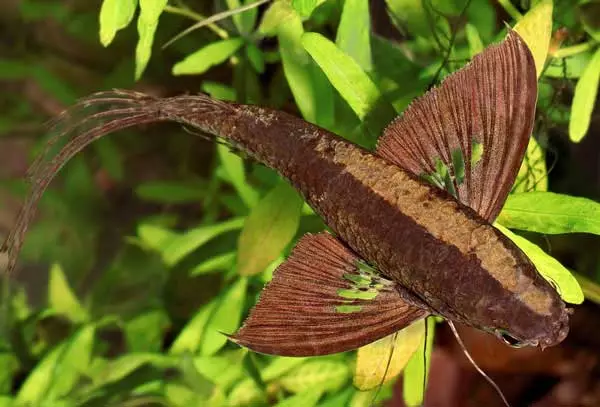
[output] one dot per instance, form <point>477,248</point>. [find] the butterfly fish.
<point>411,223</point>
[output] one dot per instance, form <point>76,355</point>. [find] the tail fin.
<point>96,116</point>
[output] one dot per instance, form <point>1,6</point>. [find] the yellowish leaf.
<point>536,28</point>
<point>373,359</point>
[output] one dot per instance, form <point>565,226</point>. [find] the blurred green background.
<point>152,242</point>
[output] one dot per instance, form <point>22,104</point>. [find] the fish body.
<point>401,247</point>
<point>417,235</point>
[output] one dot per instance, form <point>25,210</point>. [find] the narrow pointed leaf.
<point>208,56</point>
<point>413,391</point>
<point>216,263</point>
<point>184,244</point>
<point>57,373</point>
<point>584,99</point>
<point>150,11</point>
<point>308,398</point>
<point>190,337</point>
<point>115,15</point>
<point>278,13</point>
<point>373,360</point>
<point>245,20</point>
<point>536,28</point>
<point>352,83</point>
<point>269,228</point>
<point>279,366</point>
<point>62,298</point>
<point>354,32</point>
<point>533,175</point>
<point>551,213</point>
<point>550,268</point>
<point>305,7</point>
<point>474,40</point>
<point>327,375</point>
<point>311,90</point>
<point>233,165</point>
<point>225,319</point>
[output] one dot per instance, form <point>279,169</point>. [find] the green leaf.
<point>117,370</point>
<point>150,11</point>
<point>353,84</point>
<point>212,54</point>
<point>219,91</point>
<point>226,318</point>
<point>344,73</point>
<point>551,213</point>
<point>62,299</point>
<point>410,14</point>
<point>269,228</point>
<point>278,13</point>
<point>233,165</point>
<point>308,398</point>
<point>191,335</point>
<point>145,332</point>
<point>182,245</point>
<point>532,175</point>
<point>245,20</point>
<point>536,28</point>
<point>252,368</point>
<point>246,393</point>
<point>171,192</point>
<point>9,365</point>
<point>584,99</point>
<point>554,272</point>
<point>56,374</point>
<point>311,89</point>
<point>115,15</point>
<point>216,263</point>
<point>475,43</point>
<point>323,374</point>
<point>354,32</point>
<point>256,58</point>
<point>373,360</point>
<point>155,237</point>
<point>413,391</point>
<point>280,366</point>
<point>223,371</point>
<point>305,7</point>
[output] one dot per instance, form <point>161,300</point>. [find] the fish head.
<point>533,314</point>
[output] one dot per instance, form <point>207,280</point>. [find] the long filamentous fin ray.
<point>90,119</point>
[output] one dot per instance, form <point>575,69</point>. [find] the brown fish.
<point>401,248</point>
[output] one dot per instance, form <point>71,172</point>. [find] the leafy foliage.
<point>149,327</point>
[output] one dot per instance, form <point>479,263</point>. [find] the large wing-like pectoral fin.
<point>323,299</point>
<point>469,135</point>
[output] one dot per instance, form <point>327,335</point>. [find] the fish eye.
<point>509,339</point>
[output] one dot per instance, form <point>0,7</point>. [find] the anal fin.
<point>324,299</point>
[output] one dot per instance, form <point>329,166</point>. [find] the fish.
<point>410,225</point>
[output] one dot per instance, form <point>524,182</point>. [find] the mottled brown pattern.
<point>445,255</point>
<point>418,235</point>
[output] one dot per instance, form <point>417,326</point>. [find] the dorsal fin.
<point>324,299</point>
<point>469,135</point>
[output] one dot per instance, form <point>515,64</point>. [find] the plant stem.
<point>591,290</point>
<point>197,17</point>
<point>573,50</point>
<point>510,9</point>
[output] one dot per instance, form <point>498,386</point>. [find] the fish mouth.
<point>513,341</point>
<point>561,330</point>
